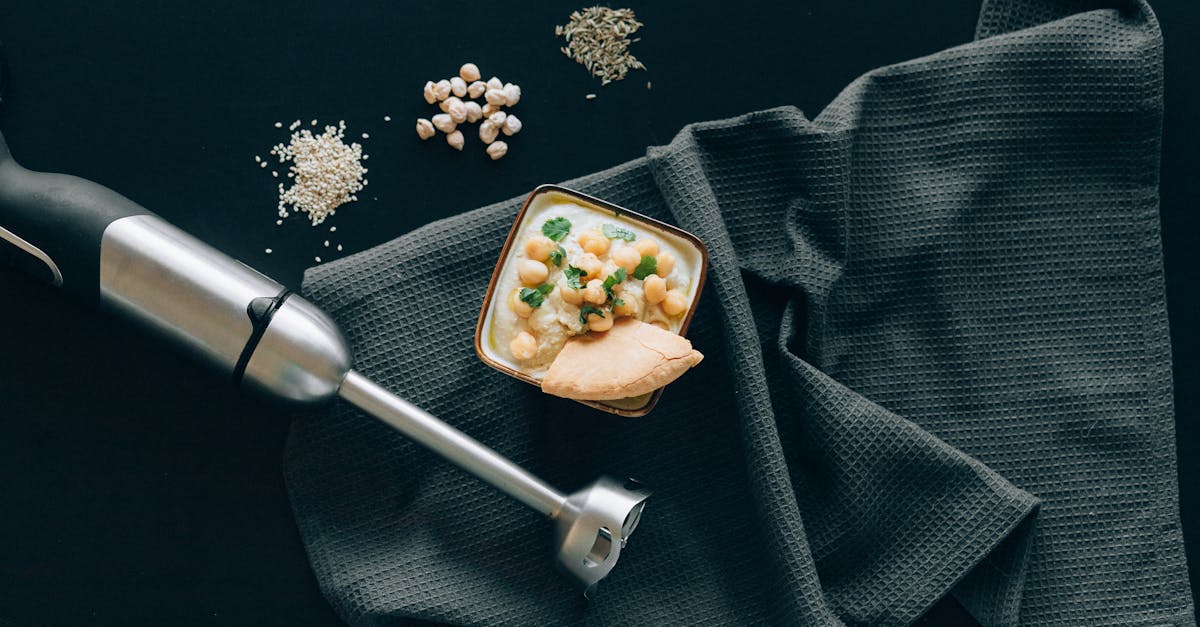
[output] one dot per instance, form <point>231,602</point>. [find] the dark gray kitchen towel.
<point>937,362</point>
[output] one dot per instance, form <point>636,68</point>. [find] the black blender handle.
<point>53,224</point>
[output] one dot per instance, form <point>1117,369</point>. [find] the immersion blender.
<point>102,247</point>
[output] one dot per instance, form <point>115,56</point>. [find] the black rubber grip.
<point>61,215</point>
<point>260,310</point>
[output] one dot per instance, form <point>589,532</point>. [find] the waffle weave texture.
<point>937,361</point>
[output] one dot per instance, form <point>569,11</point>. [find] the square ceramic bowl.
<point>499,323</point>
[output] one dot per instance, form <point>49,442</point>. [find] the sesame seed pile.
<point>598,38</point>
<point>326,172</point>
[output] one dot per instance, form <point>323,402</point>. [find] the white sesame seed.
<point>274,174</point>
<point>263,165</point>
<point>318,259</point>
<point>387,118</point>
<point>590,96</point>
<point>269,251</point>
<point>333,229</point>
<point>366,136</point>
<point>326,243</point>
<point>279,223</point>
<point>257,159</point>
<point>339,247</point>
<point>314,122</point>
<point>279,125</point>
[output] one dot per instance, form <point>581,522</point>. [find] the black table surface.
<point>137,488</point>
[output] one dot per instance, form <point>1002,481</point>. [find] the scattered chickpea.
<point>476,89</point>
<point>474,112</point>
<point>457,110</point>
<point>512,94</point>
<point>444,123</point>
<point>512,125</point>
<point>599,323</point>
<point>646,247</point>
<point>662,324</point>
<point>665,264</point>
<point>489,109</point>
<point>455,140</point>
<point>524,346</point>
<point>593,241</point>
<point>430,92</point>
<point>594,292</point>
<point>655,288</point>
<point>572,296</point>
<point>675,303</point>
<point>519,307</point>
<point>627,257</point>
<point>497,150</point>
<point>591,266</point>
<point>539,248</point>
<point>424,128</point>
<point>458,86</point>
<point>532,272</point>
<point>498,118</point>
<point>442,89</point>
<point>469,72</point>
<point>494,97</point>
<point>487,132</point>
<point>494,83</point>
<point>629,307</point>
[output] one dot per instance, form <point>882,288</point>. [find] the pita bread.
<point>630,359</point>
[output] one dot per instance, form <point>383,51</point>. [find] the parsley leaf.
<point>557,256</point>
<point>556,228</point>
<point>573,275</point>
<point>588,309</point>
<point>612,280</point>
<point>616,232</point>
<point>647,267</point>
<point>617,302</point>
<point>534,296</point>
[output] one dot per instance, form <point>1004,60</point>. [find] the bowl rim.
<point>617,210</point>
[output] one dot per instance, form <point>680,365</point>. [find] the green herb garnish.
<point>534,296</point>
<point>573,275</point>
<point>557,256</point>
<point>612,280</point>
<point>588,309</point>
<point>616,232</point>
<point>647,267</point>
<point>617,302</point>
<point>556,228</point>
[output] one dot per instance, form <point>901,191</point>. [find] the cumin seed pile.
<point>598,38</point>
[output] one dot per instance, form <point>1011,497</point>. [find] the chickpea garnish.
<point>666,263</point>
<point>569,295</point>
<point>675,303</point>
<point>655,288</point>
<point>539,247</point>
<point>599,323</point>
<point>524,346</point>
<point>594,292</point>
<point>629,307</point>
<point>532,272</point>
<point>646,247</point>
<point>519,307</point>
<point>627,257</point>
<point>591,266</point>
<point>593,241</point>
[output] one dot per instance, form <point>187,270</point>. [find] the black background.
<point>137,488</point>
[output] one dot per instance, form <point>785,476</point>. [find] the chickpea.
<point>675,303</point>
<point>666,263</point>
<point>591,266</point>
<point>629,307</point>
<point>532,272</point>
<point>539,247</point>
<point>519,307</point>
<point>524,346</point>
<point>594,292</point>
<point>594,242</point>
<point>655,288</point>
<point>627,257</point>
<point>646,247</point>
<point>599,323</point>
<point>662,324</point>
<point>574,297</point>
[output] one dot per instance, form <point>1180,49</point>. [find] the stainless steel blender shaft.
<point>456,446</point>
